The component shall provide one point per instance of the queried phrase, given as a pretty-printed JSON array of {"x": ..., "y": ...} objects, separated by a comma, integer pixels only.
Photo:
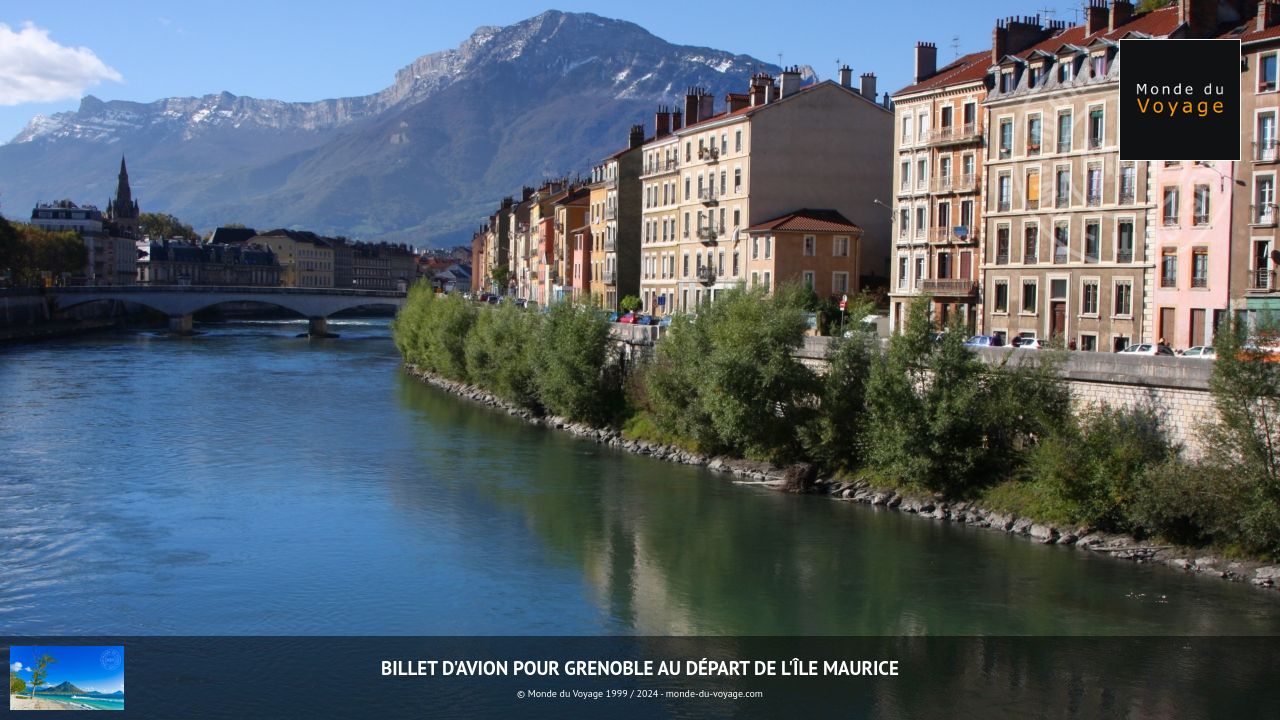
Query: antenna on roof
[
  {"x": 779, "y": 59},
  {"x": 955, "y": 45}
]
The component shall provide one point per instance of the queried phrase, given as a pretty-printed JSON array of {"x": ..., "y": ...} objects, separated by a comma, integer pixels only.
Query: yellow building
[{"x": 305, "y": 259}]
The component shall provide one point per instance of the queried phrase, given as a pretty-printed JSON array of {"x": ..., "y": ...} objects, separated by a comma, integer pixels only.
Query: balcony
[
  {"x": 1126, "y": 196},
  {"x": 953, "y": 135},
  {"x": 1261, "y": 280},
  {"x": 706, "y": 274},
  {"x": 710, "y": 154},
  {"x": 1265, "y": 152},
  {"x": 1124, "y": 255},
  {"x": 1262, "y": 214},
  {"x": 609, "y": 277},
  {"x": 1064, "y": 146},
  {"x": 709, "y": 233},
  {"x": 610, "y": 212},
  {"x": 1199, "y": 281},
  {"x": 1030, "y": 256},
  {"x": 1002, "y": 258},
  {"x": 1095, "y": 143},
  {"x": 1061, "y": 201},
  {"x": 948, "y": 235},
  {"x": 708, "y": 196},
  {"x": 1060, "y": 256},
  {"x": 1032, "y": 203},
  {"x": 1200, "y": 219},
  {"x": 1093, "y": 200},
  {"x": 1033, "y": 149},
  {"x": 951, "y": 288}
]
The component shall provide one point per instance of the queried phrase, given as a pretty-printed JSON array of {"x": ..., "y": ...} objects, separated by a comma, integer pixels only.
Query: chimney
[
  {"x": 636, "y": 139},
  {"x": 662, "y": 122},
  {"x": 770, "y": 92},
  {"x": 526, "y": 193},
  {"x": 846, "y": 76},
  {"x": 790, "y": 81},
  {"x": 1095, "y": 16},
  {"x": 677, "y": 120},
  {"x": 926, "y": 60},
  {"x": 868, "y": 88},
  {"x": 1015, "y": 34},
  {"x": 1200, "y": 17},
  {"x": 735, "y": 101},
  {"x": 1268, "y": 14},
  {"x": 1121, "y": 11},
  {"x": 758, "y": 83},
  {"x": 706, "y": 104},
  {"x": 691, "y": 106}
]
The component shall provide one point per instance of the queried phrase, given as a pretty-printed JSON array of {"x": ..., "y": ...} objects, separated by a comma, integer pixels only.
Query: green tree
[
  {"x": 569, "y": 364},
  {"x": 16, "y": 684},
  {"x": 1149, "y": 5},
  {"x": 446, "y": 322},
  {"x": 630, "y": 303},
  {"x": 163, "y": 225},
  {"x": 837, "y": 436},
  {"x": 41, "y": 672},
  {"x": 729, "y": 379},
  {"x": 501, "y": 276},
  {"x": 499, "y": 352},
  {"x": 927, "y": 402}
]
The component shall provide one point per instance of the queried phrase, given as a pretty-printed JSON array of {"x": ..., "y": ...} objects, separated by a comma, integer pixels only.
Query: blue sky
[
  {"x": 83, "y": 666},
  {"x": 51, "y": 54}
]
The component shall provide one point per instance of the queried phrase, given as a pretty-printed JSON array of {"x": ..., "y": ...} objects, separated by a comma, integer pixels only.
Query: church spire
[{"x": 123, "y": 209}]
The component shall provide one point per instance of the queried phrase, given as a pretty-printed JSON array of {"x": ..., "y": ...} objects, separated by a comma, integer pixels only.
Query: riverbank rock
[
  {"x": 1043, "y": 534},
  {"x": 1267, "y": 576}
]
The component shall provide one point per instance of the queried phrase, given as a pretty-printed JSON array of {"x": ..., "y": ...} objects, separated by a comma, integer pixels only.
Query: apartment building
[
  {"x": 937, "y": 179},
  {"x": 518, "y": 244},
  {"x": 1255, "y": 252},
  {"x": 1192, "y": 249},
  {"x": 570, "y": 210},
  {"x": 305, "y": 259},
  {"x": 622, "y": 220},
  {"x": 595, "y": 235},
  {"x": 659, "y": 180},
  {"x": 774, "y": 150},
  {"x": 819, "y": 248}
]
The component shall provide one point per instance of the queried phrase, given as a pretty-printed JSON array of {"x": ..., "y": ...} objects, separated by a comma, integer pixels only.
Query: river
[{"x": 249, "y": 482}]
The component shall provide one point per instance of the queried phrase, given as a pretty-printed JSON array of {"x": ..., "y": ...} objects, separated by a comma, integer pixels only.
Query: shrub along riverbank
[{"x": 922, "y": 416}]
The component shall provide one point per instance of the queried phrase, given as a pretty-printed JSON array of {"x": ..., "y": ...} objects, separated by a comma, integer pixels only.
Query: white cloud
[
  {"x": 16, "y": 667},
  {"x": 34, "y": 68}
]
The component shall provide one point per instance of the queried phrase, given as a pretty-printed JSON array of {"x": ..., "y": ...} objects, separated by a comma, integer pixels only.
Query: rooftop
[{"x": 807, "y": 220}]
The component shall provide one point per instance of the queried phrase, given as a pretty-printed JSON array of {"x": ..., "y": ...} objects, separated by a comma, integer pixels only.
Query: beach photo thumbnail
[{"x": 66, "y": 677}]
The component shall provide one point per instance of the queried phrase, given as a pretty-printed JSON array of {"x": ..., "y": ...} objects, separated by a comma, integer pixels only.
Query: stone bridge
[{"x": 180, "y": 302}]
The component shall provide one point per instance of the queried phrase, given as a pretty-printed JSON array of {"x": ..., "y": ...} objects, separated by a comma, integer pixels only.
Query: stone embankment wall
[{"x": 1176, "y": 388}]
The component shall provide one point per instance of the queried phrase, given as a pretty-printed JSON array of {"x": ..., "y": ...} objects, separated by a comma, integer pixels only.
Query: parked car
[
  {"x": 664, "y": 321},
  {"x": 1205, "y": 352},
  {"x": 984, "y": 341},
  {"x": 628, "y": 319},
  {"x": 1148, "y": 349},
  {"x": 494, "y": 299},
  {"x": 645, "y": 320},
  {"x": 1026, "y": 343},
  {"x": 614, "y": 317}
]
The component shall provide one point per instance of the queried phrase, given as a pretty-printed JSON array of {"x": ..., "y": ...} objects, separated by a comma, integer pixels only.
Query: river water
[{"x": 249, "y": 482}]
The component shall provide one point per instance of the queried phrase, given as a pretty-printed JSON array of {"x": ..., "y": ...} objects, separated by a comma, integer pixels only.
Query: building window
[
  {"x": 1088, "y": 342},
  {"x": 1267, "y": 72},
  {"x": 904, "y": 222},
  {"x": 906, "y": 129},
  {"x": 1004, "y": 192},
  {"x": 1200, "y": 268},
  {"x": 1002, "y": 245},
  {"x": 1064, "y": 71},
  {"x": 922, "y": 221},
  {"x": 686, "y": 264},
  {"x": 1124, "y": 241},
  {"x": 1124, "y": 298},
  {"x": 1062, "y": 191},
  {"x": 1093, "y": 185},
  {"x": 737, "y": 141},
  {"x": 905, "y": 182},
  {"x": 1032, "y": 201},
  {"x": 735, "y": 263},
  {"x": 1168, "y": 268},
  {"x": 902, "y": 271},
  {"x": 1006, "y": 81},
  {"x": 1202, "y": 205},
  {"x": 808, "y": 279},
  {"x": 1096, "y": 131},
  {"x": 1006, "y": 139},
  {"x": 767, "y": 287},
  {"x": 1064, "y": 132},
  {"x": 1092, "y": 240},
  {"x": 839, "y": 283},
  {"x": 1128, "y": 183},
  {"x": 1099, "y": 64},
  {"x": 840, "y": 247},
  {"x": 810, "y": 245},
  {"x": 1170, "y": 206},
  {"x": 1001, "y": 296},
  {"x": 1265, "y": 138},
  {"x": 1089, "y": 298},
  {"x": 1061, "y": 243},
  {"x": 768, "y": 246},
  {"x": 1031, "y": 244},
  {"x": 1029, "y": 299}
]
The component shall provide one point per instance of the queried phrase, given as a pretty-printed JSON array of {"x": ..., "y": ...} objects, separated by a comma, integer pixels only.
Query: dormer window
[
  {"x": 1033, "y": 77},
  {"x": 1099, "y": 62},
  {"x": 1006, "y": 81},
  {"x": 1064, "y": 70}
]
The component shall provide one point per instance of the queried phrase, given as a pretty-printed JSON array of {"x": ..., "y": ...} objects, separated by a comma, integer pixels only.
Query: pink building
[
  {"x": 581, "y": 267},
  {"x": 1191, "y": 250}
]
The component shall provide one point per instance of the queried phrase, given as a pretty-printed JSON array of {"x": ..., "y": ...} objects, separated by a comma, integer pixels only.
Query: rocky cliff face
[{"x": 420, "y": 161}]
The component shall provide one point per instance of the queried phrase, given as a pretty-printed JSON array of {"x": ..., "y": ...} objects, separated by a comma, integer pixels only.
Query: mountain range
[
  {"x": 63, "y": 688},
  {"x": 421, "y": 161}
]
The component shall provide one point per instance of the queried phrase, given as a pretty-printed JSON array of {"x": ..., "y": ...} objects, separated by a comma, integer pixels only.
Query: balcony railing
[
  {"x": 661, "y": 166},
  {"x": 1032, "y": 203},
  {"x": 1061, "y": 201},
  {"x": 1060, "y": 256},
  {"x": 1126, "y": 197},
  {"x": 710, "y": 154},
  {"x": 1261, "y": 279},
  {"x": 1064, "y": 146},
  {"x": 1095, "y": 143},
  {"x": 1169, "y": 221},
  {"x": 708, "y": 196},
  {"x": 1002, "y": 258},
  {"x": 1006, "y": 153},
  {"x": 610, "y": 244},
  {"x": 1124, "y": 255},
  {"x": 1033, "y": 148},
  {"x": 1265, "y": 151},
  {"x": 609, "y": 277},
  {"x": 610, "y": 212},
  {"x": 706, "y": 274},
  {"x": 1199, "y": 281},
  {"x": 709, "y": 233},
  {"x": 1030, "y": 256},
  {"x": 1003, "y": 205},
  {"x": 1200, "y": 219},
  {"x": 1264, "y": 214},
  {"x": 950, "y": 287},
  {"x": 948, "y": 234},
  {"x": 1093, "y": 200},
  {"x": 953, "y": 134}
]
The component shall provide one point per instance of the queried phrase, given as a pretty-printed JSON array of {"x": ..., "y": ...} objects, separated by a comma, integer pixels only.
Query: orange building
[{"x": 819, "y": 248}]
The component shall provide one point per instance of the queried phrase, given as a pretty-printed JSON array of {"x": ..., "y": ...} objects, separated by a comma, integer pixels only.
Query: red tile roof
[
  {"x": 966, "y": 69},
  {"x": 807, "y": 220}
]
